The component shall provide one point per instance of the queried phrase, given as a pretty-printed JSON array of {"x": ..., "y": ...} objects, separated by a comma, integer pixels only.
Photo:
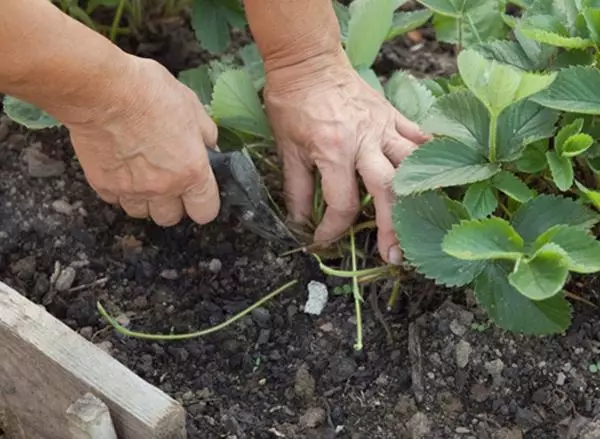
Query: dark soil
[{"x": 280, "y": 372}]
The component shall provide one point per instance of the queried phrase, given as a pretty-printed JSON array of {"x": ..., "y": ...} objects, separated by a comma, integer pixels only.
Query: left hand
[{"x": 324, "y": 114}]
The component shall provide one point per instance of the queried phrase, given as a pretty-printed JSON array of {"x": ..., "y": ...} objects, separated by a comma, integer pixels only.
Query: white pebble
[{"x": 317, "y": 298}]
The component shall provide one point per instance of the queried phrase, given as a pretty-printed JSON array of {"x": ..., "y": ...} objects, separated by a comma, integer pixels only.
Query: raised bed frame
[{"x": 54, "y": 384}]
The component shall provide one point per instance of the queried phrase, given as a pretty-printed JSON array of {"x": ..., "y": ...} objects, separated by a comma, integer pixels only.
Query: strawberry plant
[{"x": 504, "y": 198}]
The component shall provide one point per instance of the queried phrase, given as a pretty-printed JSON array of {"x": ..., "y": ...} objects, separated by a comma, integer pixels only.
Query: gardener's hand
[
  {"x": 148, "y": 153},
  {"x": 325, "y": 115}
]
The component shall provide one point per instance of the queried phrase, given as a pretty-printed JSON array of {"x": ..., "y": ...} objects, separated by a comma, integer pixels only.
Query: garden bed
[{"x": 443, "y": 373}]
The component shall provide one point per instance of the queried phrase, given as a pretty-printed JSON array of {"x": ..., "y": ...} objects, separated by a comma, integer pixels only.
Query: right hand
[{"x": 147, "y": 153}]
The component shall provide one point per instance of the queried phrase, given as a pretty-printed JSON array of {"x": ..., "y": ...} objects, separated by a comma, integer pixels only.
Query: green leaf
[
  {"x": 211, "y": 19},
  {"x": 581, "y": 249},
  {"x": 420, "y": 223},
  {"x": 576, "y": 89},
  {"x": 533, "y": 159},
  {"x": 512, "y": 53},
  {"x": 408, "y": 95},
  {"x": 551, "y": 30},
  {"x": 567, "y": 131},
  {"x": 593, "y": 196},
  {"x": 512, "y": 186},
  {"x": 371, "y": 78},
  {"x": 452, "y": 8},
  {"x": 236, "y": 104},
  {"x": 566, "y": 11},
  {"x": 27, "y": 114},
  {"x": 514, "y": 312},
  {"x": 254, "y": 64},
  {"x": 592, "y": 20},
  {"x": 343, "y": 16},
  {"x": 545, "y": 211},
  {"x": 480, "y": 199},
  {"x": 370, "y": 22},
  {"x": 542, "y": 276},
  {"x": 461, "y": 116},
  {"x": 441, "y": 163},
  {"x": 577, "y": 144},
  {"x": 498, "y": 85},
  {"x": 520, "y": 124},
  {"x": 198, "y": 79},
  {"x": 490, "y": 238},
  {"x": 404, "y": 22},
  {"x": 480, "y": 24},
  {"x": 561, "y": 169}
]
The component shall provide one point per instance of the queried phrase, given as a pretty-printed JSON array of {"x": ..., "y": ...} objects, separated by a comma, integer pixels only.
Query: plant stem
[
  {"x": 171, "y": 337},
  {"x": 356, "y": 293},
  {"x": 350, "y": 274},
  {"x": 493, "y": 136},
  {"x": 394, "y": 295},
  {"x": 117, "y": 20}
]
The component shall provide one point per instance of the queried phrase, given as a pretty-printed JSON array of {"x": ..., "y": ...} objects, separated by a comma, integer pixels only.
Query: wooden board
[{"x": 45, "y": 367}]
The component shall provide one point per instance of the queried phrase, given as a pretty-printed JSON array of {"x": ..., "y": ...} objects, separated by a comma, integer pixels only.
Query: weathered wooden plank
[{"x": 45, "y": 367}]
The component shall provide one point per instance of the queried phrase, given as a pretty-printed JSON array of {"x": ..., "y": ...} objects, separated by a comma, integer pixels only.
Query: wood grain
[{"x": 45, "y": 367}]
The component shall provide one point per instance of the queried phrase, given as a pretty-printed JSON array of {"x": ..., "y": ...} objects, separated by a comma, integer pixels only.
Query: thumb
[{"x": 201, "y": 200}]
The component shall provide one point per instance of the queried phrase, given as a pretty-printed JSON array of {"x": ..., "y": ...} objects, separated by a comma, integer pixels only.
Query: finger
[
  {"x": 210, "y": 131},
  {"x": 201, "y": 201},
  {"x": 166, "y": 212},
  {"x": 135, "y": 207},
  {"x": 397, "y": 148},
  {"x": 340, "y": 191},
  {"x": 410, "y": 130},
  {"x": 298, "y": 184},
  {"x": 377, "y": 173},
  {"x": 106, "y": 196}
]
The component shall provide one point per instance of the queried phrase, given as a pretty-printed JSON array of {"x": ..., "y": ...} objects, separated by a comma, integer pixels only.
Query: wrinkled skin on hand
[
  {"x": 148, "y": 153},
  {"x": 334, "y": 121}
]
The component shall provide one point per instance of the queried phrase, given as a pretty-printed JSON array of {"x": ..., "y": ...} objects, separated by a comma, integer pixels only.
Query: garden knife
[{"x": 244, "y": 196}]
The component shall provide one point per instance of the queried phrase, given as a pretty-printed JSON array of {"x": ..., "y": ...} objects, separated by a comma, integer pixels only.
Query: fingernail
[{"x": 395, "y": 255}]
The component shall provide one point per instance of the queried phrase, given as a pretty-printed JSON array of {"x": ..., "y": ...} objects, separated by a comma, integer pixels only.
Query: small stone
[
  {"x": 479, "y": 392},
  {"x": 39, "y": 165},
  {"x": 215, "y": 265},
  {"x": 457, "y": 328},
  {"x": 317, "y": 298},
  {"x": 449, "y": 404},
  {"x": 123, "y": 320},
  {"x": 304, "y": 383},
  {"x": 342, "y": 368},
  {"x": 466, "y": 317},
  {"x": 86, "y": 332},
  {"x": 462, "y": 430},
  {"x": 527, "y": 418},
  {"x": 106, "y": 346},
  {"x": 140, "y": 302},
  {"x": 169, "y": 274},
  {"x": 560, "y": 379},
  {"x": 262, "y": 317},
  {"x": 24, "y": 268},
  {"x": 326, "y": 327},
  {"x": 462, "y": 352},
  {"x": 419, "y": 425},
  {"x": 495, "y": 368},
  {"x": 405, "y": 406},
  {"x": 61, "y": 206},
  {"x": 313, "y": 417},
  {"x": 65, "y": 279}
]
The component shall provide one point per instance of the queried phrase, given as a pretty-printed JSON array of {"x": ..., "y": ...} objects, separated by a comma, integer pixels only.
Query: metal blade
[{"x": 244, "y": 195}]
